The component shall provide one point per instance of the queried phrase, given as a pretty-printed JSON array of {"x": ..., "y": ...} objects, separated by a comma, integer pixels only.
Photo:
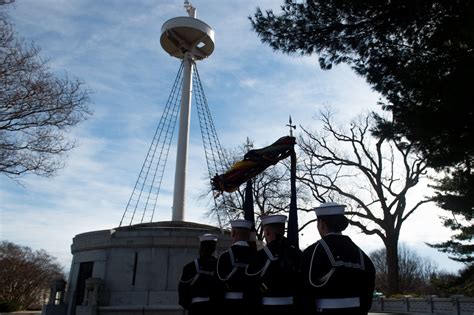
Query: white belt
[
  {"x": 284, "y": 300},
  {"x": 338, "y": 303},
  {"x": 200, "y": 299},
  {"x": 234, "y": 295}
]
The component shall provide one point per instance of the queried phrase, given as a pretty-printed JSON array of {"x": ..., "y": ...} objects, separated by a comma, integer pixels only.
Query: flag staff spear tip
[{"x": 291, "y": 126}]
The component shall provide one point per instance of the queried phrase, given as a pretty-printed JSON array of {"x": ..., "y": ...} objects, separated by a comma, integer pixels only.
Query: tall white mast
[{"x": 189, "y": 39}]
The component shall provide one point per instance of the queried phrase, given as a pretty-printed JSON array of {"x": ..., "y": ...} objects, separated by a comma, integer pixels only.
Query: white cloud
[{"x": 249, "y": 82}]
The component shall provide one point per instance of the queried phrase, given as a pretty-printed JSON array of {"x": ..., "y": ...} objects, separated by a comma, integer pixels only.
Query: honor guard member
[
  {"x": 274, "y": 270},
  {"x": 231, "y": 266},
  {"x": 199, "y": 286},
  {"x": 338, "y": 277}
]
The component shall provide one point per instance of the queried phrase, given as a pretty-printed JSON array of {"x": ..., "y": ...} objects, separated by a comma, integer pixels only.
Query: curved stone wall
[{"x": 139, "y": 265}]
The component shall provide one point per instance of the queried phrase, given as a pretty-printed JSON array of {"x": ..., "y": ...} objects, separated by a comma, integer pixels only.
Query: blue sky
[{"x": 113, "y": 46}]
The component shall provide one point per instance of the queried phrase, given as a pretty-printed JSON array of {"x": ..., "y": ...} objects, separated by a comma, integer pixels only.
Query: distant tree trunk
[
  {"x": 416, "y": 273},
  {"x": 391, "y": 244}
]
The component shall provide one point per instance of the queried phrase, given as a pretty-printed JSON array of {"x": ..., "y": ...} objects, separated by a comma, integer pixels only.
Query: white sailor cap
[
  {"x": 241, "y": 224},
  {"x": 208, "y": 237},
  {"x": 272, "y": 219},
  {"x": 329, "y": 208}
]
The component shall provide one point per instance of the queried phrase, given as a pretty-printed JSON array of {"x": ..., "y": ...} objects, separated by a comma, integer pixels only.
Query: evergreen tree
[{"x": 457, "y": 197}]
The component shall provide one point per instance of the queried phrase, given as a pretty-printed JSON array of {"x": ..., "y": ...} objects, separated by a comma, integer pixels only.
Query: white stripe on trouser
[
  {"x": 199, "y": 299},
  {"x": 234, "y": 295},
  {"x": 337, "y": 303},
  {"x": 284, "y": 300}
]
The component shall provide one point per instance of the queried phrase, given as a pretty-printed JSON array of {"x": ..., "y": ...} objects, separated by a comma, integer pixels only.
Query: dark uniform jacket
[
  {"x": 231, "y": 267},
  {"x": 274, "y": 275},
  {"x": 199, "y": 286},
  {"x": 337, "y": 277}
]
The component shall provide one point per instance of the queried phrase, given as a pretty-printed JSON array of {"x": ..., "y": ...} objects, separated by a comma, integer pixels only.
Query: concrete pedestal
[{"x": 135, "y": 269}]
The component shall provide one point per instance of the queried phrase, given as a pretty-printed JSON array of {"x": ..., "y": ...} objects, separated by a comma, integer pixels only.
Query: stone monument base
[{"x": 133, "y": 269}]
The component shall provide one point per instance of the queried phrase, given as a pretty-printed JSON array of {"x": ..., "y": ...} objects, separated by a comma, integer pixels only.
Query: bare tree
[
  {"x": 37, "y": 109},
  {"x": 25, "y": 275},
  {"x": 371, "y": 175},
  {"x": 416, "y": 273}
]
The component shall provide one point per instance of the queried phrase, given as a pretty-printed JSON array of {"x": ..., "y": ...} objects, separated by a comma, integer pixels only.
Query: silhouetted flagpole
[
  {"x": 248, "y": 203},
  {"x": 293, "y": 215}
]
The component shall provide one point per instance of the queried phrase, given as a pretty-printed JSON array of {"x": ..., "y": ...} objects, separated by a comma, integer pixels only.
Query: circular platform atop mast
[{"x": 187, "y": 34}]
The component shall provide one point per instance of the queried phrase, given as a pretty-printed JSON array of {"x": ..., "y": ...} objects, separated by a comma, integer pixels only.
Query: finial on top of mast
[
  {"x": 291, "y": 127},
  {"x": 190, "y": 9}
]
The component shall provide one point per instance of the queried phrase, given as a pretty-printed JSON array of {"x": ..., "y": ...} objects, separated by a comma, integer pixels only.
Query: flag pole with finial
[
  {"x": 293, "y": 214},
  {"x": 248, "y": 201}
]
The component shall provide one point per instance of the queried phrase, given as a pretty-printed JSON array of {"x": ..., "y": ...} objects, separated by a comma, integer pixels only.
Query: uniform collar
[
  {"x": 334, "y": 233},
  {"x": 241, "y": 243}
]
